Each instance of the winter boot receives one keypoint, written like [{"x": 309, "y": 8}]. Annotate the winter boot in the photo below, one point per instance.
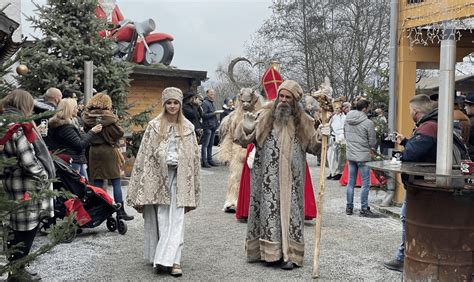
[
  {"x": 23, "y": 275},
  {"x": 122, "y": 214}
]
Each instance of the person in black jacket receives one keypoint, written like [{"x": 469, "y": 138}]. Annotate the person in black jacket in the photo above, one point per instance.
[
  {"x": 49, "y": 102},
  {"x": 209, "y": 124},
  {"x": 193, "y": 112},
  {"x": 65, "y": 136}
]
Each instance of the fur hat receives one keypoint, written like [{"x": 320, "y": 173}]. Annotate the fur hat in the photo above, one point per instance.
[
  {"x": 100, "y": 101},
  {"x": 293, "y": 87},
  {"x": 171, "y": 93}
]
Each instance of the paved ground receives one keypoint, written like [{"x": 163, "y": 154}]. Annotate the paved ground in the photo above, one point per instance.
[{"x": 352, "y": 248}]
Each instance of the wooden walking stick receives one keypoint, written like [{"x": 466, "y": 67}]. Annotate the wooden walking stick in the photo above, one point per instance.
[{"x": 323, "y": 95}]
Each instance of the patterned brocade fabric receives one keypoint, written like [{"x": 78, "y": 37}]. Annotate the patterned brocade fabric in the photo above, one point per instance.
[{"x": 264, "y": 233}]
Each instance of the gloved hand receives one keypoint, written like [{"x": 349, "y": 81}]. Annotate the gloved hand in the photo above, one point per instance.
[
  {"x": 249, "y": 122},
  {"x": 325, "y": 129},
  {"x": 251, "y": 158}
]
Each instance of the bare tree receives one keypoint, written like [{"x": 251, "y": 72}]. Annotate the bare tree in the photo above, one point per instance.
[
  {"x": 346, "y": 40},
  {"x": 244, "y": 74}
]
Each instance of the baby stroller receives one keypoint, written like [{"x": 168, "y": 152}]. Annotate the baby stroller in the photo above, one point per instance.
[{"x": 92, "y": 205}]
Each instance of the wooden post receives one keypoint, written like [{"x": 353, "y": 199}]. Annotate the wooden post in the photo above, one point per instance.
[{"x": 88, "y": 80}]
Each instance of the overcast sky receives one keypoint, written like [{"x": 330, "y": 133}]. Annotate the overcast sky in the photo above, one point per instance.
[{"x": 205, "y": 31}]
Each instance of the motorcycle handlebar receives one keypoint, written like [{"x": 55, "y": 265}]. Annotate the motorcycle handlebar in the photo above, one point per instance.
[{"x": 123, "y": 23}]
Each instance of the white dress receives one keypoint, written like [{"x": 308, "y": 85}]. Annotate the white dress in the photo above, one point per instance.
[
  {"x": 164, "y": 224},
  {"x": 336, "y": 162}
]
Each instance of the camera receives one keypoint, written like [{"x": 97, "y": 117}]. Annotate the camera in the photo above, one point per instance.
[
  {"x": 391, "y": 137},
  {"x": 98, "y": 120}
]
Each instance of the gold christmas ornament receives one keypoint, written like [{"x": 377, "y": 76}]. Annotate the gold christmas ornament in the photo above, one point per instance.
[{"x": 22, "y": 70}]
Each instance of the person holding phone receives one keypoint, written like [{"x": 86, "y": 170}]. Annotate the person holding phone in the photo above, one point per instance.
[
  {"x": 64, "y": 135},
  {"x": 421, "y": 147},
  {"x": 30, "y": 172},
  {"x": 105, "y": 157}
]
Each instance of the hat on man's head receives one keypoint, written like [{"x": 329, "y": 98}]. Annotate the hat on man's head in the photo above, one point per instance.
[
  {"x": 293, "y": 87},
  {"x": 188, "y": 95},
  {"x": 171, "y": 93},
  {"x": 469, "y": 98}
]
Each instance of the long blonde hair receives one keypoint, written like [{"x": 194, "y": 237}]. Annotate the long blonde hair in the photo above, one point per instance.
[
  {"x": 165, "y": 123},
  {"x": 20, "y": 100},
  {"x": 66, "y": 109}
]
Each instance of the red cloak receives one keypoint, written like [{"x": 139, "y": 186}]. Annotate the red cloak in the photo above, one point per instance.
[{"x": 243, "y": 202}]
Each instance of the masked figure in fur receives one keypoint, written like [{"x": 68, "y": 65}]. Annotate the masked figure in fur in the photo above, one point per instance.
[{"x": 231, "y": 152}]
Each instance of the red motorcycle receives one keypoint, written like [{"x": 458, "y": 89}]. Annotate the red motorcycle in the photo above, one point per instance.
[{"x": 135, "y": 42}]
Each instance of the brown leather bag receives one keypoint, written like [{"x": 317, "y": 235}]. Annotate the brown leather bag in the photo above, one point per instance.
[{"x": 120, "y": 157}]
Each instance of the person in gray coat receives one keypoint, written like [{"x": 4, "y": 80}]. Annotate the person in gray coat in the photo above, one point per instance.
[{"x": 359, "y": 131}]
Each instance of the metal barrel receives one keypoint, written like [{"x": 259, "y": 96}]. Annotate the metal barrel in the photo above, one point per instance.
[{"x": 439, "y": 242}]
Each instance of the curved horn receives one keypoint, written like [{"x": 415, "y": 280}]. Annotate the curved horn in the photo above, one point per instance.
[
  {"x": 230, "y": 69},
  {"x": 259, "y": 63}
]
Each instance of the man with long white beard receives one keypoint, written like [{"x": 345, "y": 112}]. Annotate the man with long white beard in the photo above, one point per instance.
[{"x": 282, "y": 133}]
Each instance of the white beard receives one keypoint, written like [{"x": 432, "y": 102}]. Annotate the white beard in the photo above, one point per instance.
[{"x": 282, "y": 114}]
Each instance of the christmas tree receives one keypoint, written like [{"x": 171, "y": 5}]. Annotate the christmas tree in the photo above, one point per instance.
[
  {"x": 57, "y": 233},
  {"x": 70, "y": 36}
]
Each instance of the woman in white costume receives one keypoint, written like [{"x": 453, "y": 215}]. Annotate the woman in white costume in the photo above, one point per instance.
[{"x": 165, "y": 182}]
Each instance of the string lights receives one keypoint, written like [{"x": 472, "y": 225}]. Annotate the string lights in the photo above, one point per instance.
[{"x": 434, "y": 32}]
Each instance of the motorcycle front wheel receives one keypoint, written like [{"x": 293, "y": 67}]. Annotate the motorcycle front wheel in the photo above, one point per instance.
[{"x": 160, "y": 52}]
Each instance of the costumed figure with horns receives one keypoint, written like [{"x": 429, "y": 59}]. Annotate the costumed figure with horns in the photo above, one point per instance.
[
  {"x": 231, "y": 152},
  {"x": 282, "y": 134}
]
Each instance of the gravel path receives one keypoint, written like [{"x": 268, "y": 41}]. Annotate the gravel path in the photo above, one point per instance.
[{"x": 352, "y": 247}]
